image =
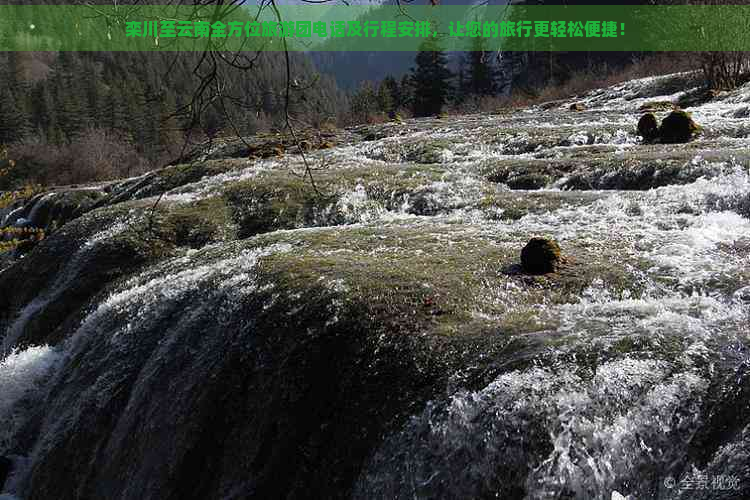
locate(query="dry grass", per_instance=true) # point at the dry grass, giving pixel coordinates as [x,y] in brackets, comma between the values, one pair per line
[98,155]
[583,81]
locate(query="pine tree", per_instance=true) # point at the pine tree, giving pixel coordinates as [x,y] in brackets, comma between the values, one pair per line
[14,95]
[364,103]
[389,96]
[462,90]
[93,92]
[42,112]
[13,124]
[482,74]
[114,114]
[431,79]
[406,91]
[70,102]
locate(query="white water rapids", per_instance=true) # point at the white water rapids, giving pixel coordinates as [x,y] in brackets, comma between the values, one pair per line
[613,403]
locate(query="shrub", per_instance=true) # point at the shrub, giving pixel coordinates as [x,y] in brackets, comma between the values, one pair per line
[98,155]
[725,70]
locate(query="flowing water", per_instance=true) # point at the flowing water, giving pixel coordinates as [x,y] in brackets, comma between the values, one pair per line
[206,372]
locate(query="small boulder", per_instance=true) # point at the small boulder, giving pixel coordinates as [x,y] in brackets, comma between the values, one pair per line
[678,126]
[541,256]
[577,106]
[648,127]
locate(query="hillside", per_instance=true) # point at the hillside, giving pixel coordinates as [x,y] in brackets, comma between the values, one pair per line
[219,329]
[147,102]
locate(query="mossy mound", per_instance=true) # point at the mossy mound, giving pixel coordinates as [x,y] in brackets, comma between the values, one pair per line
[677,127]
[541,256]
[195,225]
[648,127]
[513,205]
[657,106]
[256,325]
[73,264]
[265,145]
[276,201]
[528,181]
[168,178]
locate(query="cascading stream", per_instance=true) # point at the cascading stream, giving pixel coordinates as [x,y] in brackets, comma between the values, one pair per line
[382,345]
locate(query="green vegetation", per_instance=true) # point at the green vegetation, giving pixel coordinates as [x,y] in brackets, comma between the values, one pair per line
[678,126]
[75,117]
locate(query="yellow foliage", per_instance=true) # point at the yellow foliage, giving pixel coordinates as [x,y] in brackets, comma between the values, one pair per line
[12,237]
[6,168]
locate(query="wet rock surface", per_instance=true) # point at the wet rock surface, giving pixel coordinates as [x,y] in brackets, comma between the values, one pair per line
[251,337]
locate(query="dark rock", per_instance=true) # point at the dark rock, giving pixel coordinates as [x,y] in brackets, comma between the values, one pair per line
[540,256]
[678,126]
[528,181]
[6,466]
[54,210]
[577,106]
[648,127]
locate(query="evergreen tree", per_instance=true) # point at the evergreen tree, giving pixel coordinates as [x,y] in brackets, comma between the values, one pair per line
[73,115]
[406,91]
[13,124]
[482,74]
[461,91]
[364,103]
[389,96]
[43,114]
[431,79]
[93,92]
[14,118]
[114,114]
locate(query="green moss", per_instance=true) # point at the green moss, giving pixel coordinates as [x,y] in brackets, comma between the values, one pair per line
[441,278]
[428,152]
[281,200]
[169,178]
[268,203]
[196,224]
[657,106]
[512,205]
[677,127]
